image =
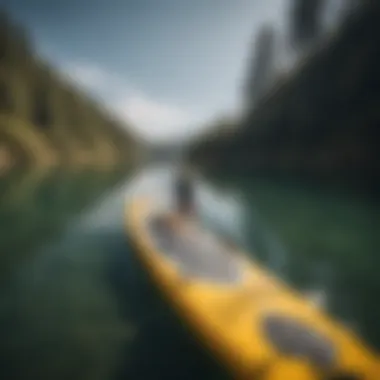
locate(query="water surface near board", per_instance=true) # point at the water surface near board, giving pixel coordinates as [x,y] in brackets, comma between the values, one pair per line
[75,303]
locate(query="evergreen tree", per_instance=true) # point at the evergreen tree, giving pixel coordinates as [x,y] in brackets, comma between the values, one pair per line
[306,22]
[261,70]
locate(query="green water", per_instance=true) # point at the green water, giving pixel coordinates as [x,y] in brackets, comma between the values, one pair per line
[75,304]
[327,241]
[57,320]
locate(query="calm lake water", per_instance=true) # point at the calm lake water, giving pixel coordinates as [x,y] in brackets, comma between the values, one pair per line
[75,304]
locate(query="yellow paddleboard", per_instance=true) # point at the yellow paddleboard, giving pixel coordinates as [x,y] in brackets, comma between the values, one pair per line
[250,320]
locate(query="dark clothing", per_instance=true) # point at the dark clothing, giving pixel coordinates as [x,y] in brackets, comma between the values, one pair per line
[184,193]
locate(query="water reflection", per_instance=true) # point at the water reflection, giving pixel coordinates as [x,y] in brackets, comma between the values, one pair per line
[36,207]
[57,320]
[74,302]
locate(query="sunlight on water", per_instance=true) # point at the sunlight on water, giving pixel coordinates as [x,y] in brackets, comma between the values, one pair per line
[223,210]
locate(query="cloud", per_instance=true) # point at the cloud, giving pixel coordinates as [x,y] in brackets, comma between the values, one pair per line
[153,119]
[162,120]
[88,76]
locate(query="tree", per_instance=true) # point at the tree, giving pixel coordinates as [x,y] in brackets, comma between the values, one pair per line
[263,65]
[306,21]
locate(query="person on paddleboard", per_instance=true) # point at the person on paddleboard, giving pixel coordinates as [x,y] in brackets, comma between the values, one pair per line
[184,192]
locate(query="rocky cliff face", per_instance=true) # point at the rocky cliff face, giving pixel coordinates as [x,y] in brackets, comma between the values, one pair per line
[322,120]
[44,120]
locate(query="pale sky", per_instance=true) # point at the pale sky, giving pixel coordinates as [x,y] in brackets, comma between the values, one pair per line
[167,66]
